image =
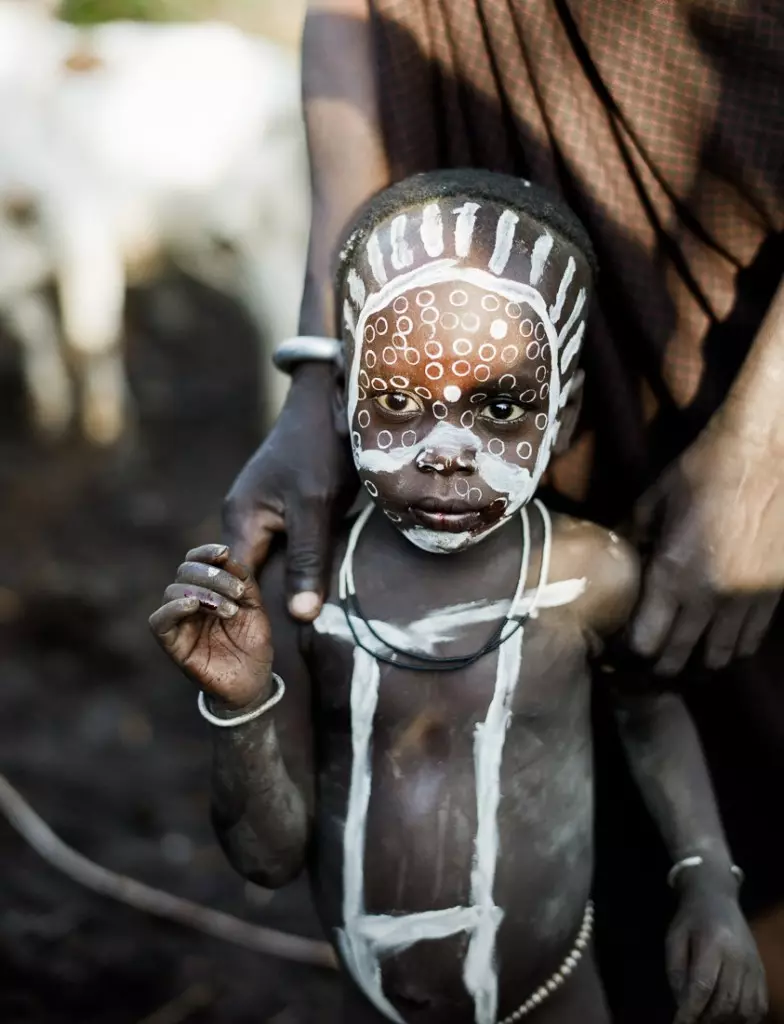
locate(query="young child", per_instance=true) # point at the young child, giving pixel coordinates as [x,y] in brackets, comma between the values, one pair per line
[425,746]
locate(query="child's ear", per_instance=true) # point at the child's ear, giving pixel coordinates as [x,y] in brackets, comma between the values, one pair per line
[570,414]
[339,407]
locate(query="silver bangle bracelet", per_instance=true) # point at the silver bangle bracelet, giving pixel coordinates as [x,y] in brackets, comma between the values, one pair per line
[695,862]
[231,723]
[306,348]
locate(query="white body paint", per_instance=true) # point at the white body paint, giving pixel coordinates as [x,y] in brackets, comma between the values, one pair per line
[504,237]
[432,231]
[364,939]
[557,307]
[539,257]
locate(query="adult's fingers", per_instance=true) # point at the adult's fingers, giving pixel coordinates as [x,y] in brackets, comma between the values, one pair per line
[208,599]
[248,532]
[655,613]
[690,624]
[700,987]
[211,577]
[725,630]
[757,624]
[168,617]
[309,529]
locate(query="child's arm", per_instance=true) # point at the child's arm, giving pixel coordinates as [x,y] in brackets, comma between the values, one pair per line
[712,961]
[215,627]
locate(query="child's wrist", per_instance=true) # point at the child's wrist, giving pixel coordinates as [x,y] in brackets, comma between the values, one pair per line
[710,877]
[222,707]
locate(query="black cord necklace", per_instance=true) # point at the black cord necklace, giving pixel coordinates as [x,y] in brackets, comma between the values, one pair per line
[421,662]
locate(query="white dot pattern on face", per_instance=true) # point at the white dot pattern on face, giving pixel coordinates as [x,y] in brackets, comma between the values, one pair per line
[509,354]
[393,516]
[400,305]
[541,421]
[400,342]
[409,438]
[458,297]
[364,379]
[370,358]
[371,488]
[544,391]
[490,303]
[496,446]
[541,373]
[425,298]
[524,450]
[399,382]
[462,346]
[528,396]
[452,393]
[412,356]
[370,334]
[379,384]
[482,372]
[507,382]
[449,321]
[423,392]
[499,329]
[467,419]
[404,325]
[526,328]
[475,399]
[361,393]
[461,368]
[434,349]
[363,418]
[382,326]
[429,315]
[513,310]
[532,350]
[440,411]
[389,356]
[356,440]
[539,332]
[384,439]
[487,352]
[434,371]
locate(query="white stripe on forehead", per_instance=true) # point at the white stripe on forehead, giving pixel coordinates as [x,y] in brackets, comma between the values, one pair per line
[504,237]
[464,228]
[540,256]
[402,253]
[432,231]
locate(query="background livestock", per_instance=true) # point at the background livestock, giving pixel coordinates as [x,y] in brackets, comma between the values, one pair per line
[126,147]
[96,729]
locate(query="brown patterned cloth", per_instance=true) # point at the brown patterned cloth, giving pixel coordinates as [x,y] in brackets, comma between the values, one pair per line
[662,124]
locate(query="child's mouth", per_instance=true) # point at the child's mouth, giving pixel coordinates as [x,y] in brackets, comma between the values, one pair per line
[453,516]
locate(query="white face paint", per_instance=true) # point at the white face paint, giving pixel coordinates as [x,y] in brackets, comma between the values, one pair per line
[456,375]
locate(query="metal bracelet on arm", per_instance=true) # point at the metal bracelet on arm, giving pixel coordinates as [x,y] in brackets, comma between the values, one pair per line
[695,862]
[306,348]
[233,722]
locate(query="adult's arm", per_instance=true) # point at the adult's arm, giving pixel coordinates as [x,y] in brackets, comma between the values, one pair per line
[296,477]
[718,564]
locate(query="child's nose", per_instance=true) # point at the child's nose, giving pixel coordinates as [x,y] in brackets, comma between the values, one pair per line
[447,460]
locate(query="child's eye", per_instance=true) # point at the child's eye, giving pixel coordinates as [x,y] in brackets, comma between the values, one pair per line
[398,404]
[502,410]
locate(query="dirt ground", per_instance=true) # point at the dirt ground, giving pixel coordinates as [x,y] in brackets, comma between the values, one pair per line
[96,729]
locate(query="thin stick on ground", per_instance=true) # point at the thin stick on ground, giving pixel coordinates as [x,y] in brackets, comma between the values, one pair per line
[54,851]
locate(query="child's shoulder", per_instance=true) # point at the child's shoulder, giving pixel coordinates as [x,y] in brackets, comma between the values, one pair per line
[608,564]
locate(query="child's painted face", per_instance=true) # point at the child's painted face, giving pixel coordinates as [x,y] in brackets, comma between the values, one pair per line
[456,385]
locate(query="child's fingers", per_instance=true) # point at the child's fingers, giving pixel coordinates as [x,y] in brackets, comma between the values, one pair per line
[170,615]
[207,599]
[210,577]
[218,554]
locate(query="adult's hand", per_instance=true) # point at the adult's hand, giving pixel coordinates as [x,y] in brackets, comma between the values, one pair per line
[293,483]
[717,568]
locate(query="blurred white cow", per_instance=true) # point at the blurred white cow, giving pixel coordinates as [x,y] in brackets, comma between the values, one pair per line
[124,144]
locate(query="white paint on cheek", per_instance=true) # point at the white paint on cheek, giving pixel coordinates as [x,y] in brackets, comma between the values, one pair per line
[432,230]
[504,238]
[539,257]
[572,347]
[376,259]
[356,287]
[576,311]
[402,253]
[563,288]
[464,228]
[452,393]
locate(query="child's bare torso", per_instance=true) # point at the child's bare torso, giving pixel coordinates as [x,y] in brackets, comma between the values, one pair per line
[454,818]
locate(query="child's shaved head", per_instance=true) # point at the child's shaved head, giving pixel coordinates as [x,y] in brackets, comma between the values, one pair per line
[463,298]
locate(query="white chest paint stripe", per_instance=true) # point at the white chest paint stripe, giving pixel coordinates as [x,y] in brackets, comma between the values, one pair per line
[364,939]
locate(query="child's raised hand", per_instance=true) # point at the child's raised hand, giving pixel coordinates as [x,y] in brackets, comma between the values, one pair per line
[214,626]
[713,964]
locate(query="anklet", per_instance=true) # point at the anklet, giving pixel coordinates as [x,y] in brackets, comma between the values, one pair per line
[556,980]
